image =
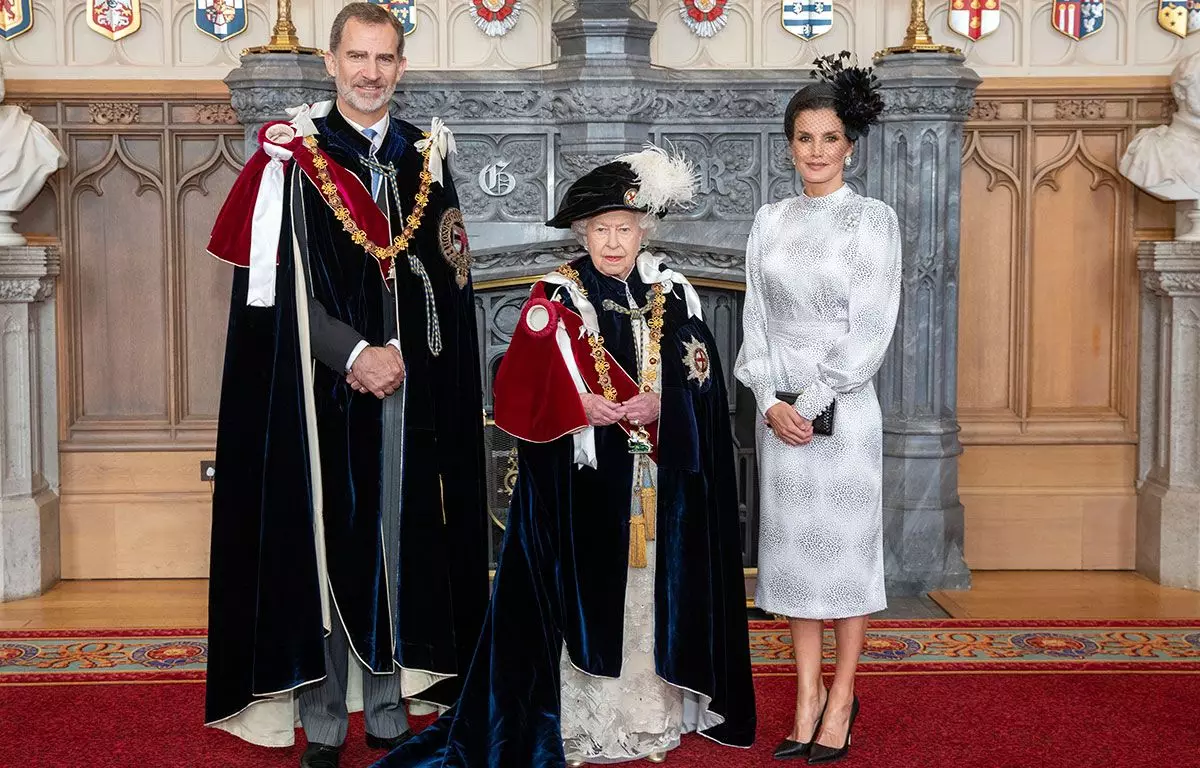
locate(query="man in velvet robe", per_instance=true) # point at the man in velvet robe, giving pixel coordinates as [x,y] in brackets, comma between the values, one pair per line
[618,616]
[349,513]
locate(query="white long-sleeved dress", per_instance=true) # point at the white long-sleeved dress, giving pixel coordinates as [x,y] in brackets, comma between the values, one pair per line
[822,293]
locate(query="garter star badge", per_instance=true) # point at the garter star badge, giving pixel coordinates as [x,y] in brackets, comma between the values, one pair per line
[807,19]
[456,250]
[221,19]
[1078,19]
[495,17]
[115,19]
[695,357]
[405,12]
[974,19]
[16,17]
[704,17]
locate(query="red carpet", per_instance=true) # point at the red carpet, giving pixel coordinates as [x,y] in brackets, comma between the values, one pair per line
[908,720]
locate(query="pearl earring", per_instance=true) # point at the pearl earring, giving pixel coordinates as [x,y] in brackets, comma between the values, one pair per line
[848,160]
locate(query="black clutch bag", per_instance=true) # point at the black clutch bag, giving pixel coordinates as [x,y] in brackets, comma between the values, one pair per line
[823,423]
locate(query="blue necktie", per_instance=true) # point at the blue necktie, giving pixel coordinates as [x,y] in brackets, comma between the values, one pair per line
[376,178]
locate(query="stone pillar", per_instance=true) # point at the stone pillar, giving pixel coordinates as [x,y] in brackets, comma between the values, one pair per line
[914,157]
[604,87]
[1168,520]
[266,84]
[29,528]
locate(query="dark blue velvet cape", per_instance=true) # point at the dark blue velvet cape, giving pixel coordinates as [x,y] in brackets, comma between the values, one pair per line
[265,631]
[564,563]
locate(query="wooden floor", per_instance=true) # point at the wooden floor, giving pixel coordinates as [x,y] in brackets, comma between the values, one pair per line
[1067,595]
[996,595]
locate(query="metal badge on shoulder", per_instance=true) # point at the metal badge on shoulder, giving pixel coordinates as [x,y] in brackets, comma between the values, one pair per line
[695,357]
[455,247]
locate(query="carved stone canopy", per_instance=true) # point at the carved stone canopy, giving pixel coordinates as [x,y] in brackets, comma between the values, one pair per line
[693,261]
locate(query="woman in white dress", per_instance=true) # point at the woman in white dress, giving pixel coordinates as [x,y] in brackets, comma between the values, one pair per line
[822,293]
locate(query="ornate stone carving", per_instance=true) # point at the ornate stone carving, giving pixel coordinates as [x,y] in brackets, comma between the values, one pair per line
[689,260]
[726,102]
[525,158]
[257,105]
[27,289]
[598,102]
[1172,283]
[728,166]
[571,166]
[1079,109]
[984,110]
[927,102]
[114,112]
[215,114]
[782,180]
[450,104]
[530,261]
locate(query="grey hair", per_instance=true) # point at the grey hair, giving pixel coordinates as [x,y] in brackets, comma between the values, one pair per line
[648,223]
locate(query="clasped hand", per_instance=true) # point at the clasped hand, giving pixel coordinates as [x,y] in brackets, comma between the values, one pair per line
[788,425]
[638,410]
[378,370]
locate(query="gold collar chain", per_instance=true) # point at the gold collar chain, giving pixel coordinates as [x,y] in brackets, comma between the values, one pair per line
[658,303]
[334,200]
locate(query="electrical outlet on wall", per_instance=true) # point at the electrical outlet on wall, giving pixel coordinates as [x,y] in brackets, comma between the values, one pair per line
[208,470]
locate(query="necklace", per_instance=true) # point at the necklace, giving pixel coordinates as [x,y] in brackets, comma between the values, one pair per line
[334,200]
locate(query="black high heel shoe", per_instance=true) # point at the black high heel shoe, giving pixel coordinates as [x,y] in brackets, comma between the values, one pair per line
[819,754]
[792,750]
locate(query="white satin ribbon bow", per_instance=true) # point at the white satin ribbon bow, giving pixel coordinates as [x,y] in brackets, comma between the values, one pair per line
[441,141]
[267,218]
[649,269]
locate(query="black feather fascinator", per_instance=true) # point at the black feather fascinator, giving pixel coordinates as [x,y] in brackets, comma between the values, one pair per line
[855,91]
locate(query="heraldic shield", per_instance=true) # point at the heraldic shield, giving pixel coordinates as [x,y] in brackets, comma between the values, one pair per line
[807,19]
[974,19]
[1078,19]
[115,19]
[405,12]
[221,19]
[1179,17]
[16,17]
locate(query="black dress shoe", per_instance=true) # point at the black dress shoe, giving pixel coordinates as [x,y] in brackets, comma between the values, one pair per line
[320,756]
[389,743]
[823,755]
[790,750]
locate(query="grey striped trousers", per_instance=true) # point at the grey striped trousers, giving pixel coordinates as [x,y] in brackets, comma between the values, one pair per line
[323,704]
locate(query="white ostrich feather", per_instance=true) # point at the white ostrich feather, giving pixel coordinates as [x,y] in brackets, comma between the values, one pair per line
[663,180]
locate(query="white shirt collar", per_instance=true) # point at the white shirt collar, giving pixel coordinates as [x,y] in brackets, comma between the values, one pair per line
[380,129]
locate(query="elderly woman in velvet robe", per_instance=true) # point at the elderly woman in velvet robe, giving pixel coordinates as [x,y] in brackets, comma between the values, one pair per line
[618,622]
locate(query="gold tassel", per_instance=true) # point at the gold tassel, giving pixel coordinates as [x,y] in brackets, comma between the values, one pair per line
[637,541]
[649,502]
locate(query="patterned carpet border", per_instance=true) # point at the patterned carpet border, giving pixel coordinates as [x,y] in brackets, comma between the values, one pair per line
[893,647]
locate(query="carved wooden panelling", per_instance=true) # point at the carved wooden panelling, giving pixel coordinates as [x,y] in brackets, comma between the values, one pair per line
[143,308]
[1049,286]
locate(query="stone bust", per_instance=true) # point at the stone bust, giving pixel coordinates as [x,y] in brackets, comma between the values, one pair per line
[1165,161]
[29,154]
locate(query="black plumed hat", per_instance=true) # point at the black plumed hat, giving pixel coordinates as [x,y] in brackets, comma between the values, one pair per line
[650,181]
